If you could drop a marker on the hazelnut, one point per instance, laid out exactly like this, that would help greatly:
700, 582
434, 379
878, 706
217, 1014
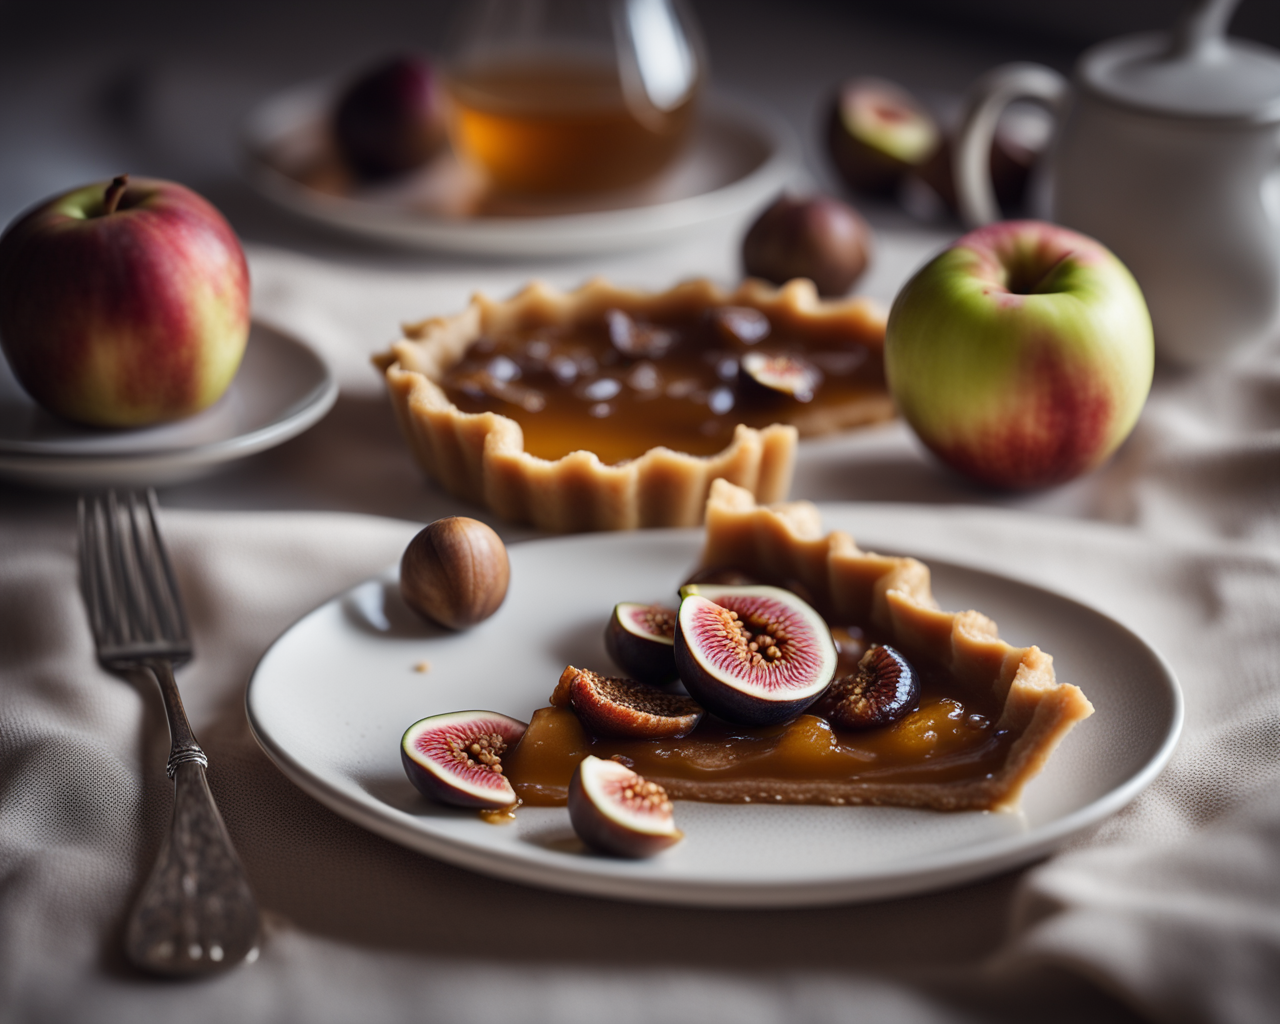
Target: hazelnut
455, 572
820, 238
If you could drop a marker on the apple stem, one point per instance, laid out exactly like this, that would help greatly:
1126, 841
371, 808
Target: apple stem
111, 198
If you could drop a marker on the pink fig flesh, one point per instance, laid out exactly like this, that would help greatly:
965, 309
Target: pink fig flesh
609, 706
456, 758
615, 811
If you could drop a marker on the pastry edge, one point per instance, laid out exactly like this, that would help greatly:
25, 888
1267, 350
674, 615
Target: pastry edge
785, 545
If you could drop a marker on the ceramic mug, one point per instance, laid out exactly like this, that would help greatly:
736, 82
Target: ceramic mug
1167, 150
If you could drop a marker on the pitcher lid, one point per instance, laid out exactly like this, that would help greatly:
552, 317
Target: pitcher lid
1194, 71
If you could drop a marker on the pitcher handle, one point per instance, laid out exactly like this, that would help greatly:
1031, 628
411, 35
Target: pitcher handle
987, 99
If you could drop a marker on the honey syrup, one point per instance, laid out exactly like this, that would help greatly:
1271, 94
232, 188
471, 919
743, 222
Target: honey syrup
538, 127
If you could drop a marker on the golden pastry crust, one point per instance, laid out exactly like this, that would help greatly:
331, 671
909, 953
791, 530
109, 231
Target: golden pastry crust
481, 456
785, 545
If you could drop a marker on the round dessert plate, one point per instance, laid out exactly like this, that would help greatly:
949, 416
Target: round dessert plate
331, 698
735, 161
281, 389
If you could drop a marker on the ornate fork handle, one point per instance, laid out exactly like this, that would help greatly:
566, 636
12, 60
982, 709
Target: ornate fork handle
196, 913
183, 749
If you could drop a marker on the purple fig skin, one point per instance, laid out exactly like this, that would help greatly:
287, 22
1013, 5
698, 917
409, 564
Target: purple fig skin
441, 790
605, 834
649, 659
389, 120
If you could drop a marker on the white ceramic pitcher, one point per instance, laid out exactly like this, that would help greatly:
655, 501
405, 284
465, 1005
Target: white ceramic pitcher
1167, 150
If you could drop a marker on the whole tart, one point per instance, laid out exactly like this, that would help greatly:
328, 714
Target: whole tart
607, 408
989, 717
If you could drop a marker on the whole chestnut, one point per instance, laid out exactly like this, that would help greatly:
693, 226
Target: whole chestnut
819, 237
455, 572
390, 119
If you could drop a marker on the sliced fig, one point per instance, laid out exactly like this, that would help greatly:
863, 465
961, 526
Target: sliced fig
781, 375
637, 340
752, 655
740, 326
884, 688
616, 811
609, 706
457, 758
640, 638
876, 132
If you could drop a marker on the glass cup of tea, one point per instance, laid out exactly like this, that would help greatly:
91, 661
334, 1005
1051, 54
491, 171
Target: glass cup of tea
556, 97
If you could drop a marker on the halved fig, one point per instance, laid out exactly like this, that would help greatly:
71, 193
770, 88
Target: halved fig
884, 688
457, 758
876, 132
752, 655
616, 811
609, 706
640, 638
740, 326
781, 375
635, 339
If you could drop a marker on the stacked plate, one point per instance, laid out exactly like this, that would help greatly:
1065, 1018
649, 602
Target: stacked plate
282, 388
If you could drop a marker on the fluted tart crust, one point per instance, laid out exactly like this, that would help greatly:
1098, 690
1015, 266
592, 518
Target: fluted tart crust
481, 456
785, 545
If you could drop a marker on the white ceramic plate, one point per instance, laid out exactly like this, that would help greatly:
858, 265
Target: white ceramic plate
281, 389
331, 698
735, 161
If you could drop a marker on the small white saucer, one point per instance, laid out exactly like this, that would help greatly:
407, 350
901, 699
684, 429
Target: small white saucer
735, 161
281, 389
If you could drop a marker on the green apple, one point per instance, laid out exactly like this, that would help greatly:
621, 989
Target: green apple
123, 303
1022, 355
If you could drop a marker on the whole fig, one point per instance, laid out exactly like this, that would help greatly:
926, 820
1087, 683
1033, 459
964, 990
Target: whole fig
390, 119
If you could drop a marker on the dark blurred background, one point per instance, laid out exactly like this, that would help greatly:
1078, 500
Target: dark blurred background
88, 89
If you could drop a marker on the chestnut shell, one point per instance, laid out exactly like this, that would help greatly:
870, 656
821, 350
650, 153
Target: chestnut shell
455, 572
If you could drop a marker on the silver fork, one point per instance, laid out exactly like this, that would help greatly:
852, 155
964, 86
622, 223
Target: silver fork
196, 913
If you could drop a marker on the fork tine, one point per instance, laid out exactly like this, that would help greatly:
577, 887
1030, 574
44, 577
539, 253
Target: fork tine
130, 589
162, 585
122, 550
96, 575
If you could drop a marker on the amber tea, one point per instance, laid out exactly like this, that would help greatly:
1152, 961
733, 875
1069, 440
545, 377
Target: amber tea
559, 128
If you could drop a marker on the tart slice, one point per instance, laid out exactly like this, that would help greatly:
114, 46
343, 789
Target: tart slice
606, 408
986, 719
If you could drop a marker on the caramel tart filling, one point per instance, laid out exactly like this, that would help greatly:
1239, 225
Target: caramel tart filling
681, 380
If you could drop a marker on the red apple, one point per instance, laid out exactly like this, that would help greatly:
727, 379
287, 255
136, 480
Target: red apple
1022, 355
123, 303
